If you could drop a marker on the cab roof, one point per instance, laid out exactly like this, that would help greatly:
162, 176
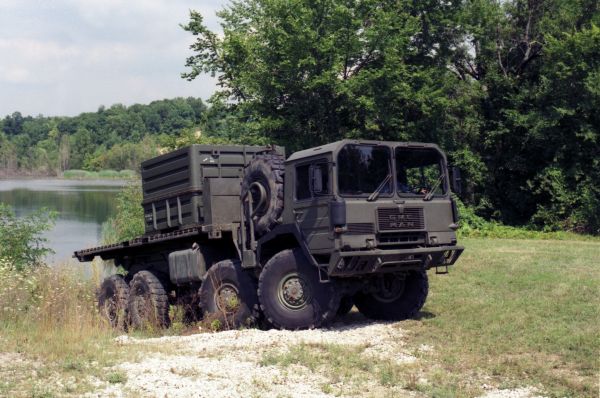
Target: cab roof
337, 145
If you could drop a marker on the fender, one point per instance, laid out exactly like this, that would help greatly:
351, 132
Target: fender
284, 234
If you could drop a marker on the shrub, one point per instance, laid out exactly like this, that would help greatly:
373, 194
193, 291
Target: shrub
21, 242
127, 174
76, 174
472, 225
108, 174
128, 222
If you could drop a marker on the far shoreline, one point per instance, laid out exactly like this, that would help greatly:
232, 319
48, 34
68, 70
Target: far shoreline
74, 175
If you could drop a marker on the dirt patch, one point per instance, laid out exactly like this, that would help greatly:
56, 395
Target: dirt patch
11, 360
525, 392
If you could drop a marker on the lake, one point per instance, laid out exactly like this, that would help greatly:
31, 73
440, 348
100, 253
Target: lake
82, 207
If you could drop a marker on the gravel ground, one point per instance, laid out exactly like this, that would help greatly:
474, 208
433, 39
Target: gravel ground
206, 364
227, 364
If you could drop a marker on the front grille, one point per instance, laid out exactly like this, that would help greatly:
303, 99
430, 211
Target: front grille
402, 238
360, 228
392, 219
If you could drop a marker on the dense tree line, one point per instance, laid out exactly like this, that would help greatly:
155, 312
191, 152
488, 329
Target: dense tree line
118, 137
510, 89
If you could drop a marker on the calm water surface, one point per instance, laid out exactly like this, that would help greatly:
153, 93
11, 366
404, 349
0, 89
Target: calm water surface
82, 207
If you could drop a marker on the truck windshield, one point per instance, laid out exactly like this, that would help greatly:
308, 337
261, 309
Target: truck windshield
364, 168
419, 171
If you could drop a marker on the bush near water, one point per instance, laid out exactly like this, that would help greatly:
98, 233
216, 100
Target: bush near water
102, 174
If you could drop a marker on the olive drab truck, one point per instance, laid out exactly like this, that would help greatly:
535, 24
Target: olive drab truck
242, 234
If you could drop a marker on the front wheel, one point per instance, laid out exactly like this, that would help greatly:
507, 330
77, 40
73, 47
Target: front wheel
396, 296
291, 295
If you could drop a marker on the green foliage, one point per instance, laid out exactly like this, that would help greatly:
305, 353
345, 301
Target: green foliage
304, 72
21, 243
128, 222
472, 225
509, 89
127, 155
104, 174
116, 377
115, 138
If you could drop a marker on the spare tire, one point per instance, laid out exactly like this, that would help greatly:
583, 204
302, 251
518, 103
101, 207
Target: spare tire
263, 180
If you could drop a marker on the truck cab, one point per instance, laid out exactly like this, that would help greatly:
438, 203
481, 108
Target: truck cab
361, 205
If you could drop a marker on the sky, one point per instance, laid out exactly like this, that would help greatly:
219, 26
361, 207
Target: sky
64, 57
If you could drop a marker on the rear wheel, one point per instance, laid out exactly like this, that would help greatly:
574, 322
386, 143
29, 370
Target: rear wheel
397, 297
112, 301
148, 302
228, 294
291, 295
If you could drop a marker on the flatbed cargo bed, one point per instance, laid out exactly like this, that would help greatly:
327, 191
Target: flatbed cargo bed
108, 252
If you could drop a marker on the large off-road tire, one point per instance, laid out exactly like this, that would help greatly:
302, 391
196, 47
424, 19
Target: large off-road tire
398, 297
291, 295
228, 294
112, 301
346, 304
266, 170
148, 304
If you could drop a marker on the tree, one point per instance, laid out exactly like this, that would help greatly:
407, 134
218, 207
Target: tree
309, 72
507, 88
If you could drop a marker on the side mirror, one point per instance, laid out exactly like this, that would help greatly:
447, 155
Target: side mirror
456, 180
316, 180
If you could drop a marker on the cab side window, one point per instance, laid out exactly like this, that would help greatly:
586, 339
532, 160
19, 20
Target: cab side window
312, 180
302, 182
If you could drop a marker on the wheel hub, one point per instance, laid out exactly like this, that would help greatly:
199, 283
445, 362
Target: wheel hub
227, 298
293, 292
390, 288
110, 309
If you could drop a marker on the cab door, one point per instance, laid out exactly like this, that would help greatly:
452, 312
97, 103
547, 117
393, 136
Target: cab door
312, 194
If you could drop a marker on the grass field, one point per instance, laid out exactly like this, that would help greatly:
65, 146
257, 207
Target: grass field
512, 313
523, 312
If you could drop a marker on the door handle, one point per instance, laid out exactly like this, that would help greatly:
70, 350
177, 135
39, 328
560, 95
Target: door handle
298, 214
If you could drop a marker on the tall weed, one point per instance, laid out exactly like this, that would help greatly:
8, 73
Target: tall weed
49, 313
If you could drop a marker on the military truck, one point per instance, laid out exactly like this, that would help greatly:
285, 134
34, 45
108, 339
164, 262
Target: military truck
241, 234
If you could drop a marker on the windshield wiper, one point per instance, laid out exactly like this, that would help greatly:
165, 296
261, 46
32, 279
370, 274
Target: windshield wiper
434, 187
376, 193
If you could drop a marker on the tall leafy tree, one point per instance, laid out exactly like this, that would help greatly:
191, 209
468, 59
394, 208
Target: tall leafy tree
312, 71
506, 87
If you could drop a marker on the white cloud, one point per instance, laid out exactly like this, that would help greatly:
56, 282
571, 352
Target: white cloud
70, 56
14, 74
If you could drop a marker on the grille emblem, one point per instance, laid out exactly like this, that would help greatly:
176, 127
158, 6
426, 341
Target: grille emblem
393, 219
401, 221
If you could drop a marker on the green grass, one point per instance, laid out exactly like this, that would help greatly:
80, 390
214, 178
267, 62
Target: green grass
511, 313
102, 174
347, 369
525, 312
116, 377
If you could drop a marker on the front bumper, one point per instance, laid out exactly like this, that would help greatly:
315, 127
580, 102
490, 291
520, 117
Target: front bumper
353, 263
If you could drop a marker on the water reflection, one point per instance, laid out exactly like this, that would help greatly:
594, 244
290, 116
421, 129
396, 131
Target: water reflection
82, 207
